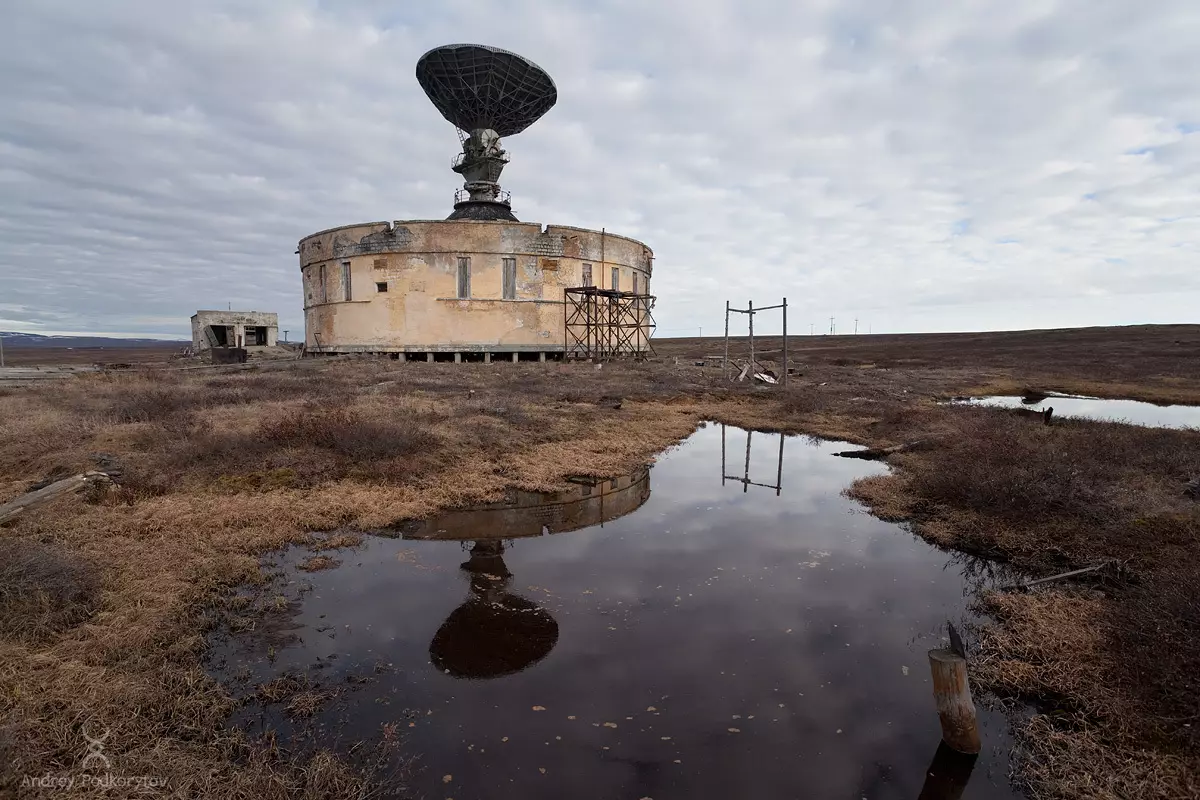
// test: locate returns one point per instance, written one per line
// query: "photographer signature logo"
(95, 774)
(95, 751)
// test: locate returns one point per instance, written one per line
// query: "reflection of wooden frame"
(745, 479)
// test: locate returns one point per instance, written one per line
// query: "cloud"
(921, 166)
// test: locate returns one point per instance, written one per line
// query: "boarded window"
(510, 279)
(346, 281)
(586, 278)
(381, 286)
(616, 279)
(321, 284)
(464, 277)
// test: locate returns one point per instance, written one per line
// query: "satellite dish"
(487, 93)
(479, 87)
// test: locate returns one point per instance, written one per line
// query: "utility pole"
(831, 327)
(1, 350)
(856, 326)
(811, 326)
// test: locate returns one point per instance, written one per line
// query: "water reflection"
(1130, 411)
(495, 632)
(745, 478)
(691, 643)
(590, 501)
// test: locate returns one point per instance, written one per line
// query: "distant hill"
(15, 340)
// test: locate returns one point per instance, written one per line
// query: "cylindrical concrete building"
(474, 289)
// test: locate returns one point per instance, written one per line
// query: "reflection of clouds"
(702, 604)
(1130, 411)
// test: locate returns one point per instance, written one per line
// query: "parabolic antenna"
(487, 93)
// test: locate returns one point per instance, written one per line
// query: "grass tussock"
(44, 590)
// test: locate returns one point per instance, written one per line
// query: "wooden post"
(785, 366)
(952, 692)
(726, 365)
(750, 307)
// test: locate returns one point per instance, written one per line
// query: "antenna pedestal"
(480, 163)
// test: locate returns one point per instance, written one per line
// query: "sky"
(917, 166)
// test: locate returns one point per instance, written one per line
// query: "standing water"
(1133, 412)
(725, 624)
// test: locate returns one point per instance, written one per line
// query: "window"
(635, 283)
(510, 279)
(321, 284)
(346, 281)
(381, 286)
(587, 275)
(464, 277)
(616, 279)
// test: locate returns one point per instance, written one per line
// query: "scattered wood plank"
(1061, 576)
(11, 510)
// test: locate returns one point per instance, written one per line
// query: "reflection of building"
(234, 329)
(590, 501)
(496, 632)
(744, 480)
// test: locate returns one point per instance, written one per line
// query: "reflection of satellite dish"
(495, 632)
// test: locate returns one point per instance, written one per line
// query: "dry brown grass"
(44, 590)
(1118, 668)
(223, 465)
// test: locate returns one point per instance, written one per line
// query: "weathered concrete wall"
(238, 321)
(417, 261)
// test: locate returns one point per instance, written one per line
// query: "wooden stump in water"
(956, 710)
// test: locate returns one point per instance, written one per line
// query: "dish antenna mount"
(486, 93)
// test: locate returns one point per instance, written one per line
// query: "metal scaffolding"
(605, 323)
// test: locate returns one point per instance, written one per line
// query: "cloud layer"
(917, 165)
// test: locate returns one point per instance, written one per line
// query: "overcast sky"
(918, 165)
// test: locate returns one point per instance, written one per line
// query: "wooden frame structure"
(601, 324)
(750, 311)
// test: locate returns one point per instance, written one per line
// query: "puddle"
(725, 624)
(1131, 411)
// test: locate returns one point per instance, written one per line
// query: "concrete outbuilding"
(248, 329)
